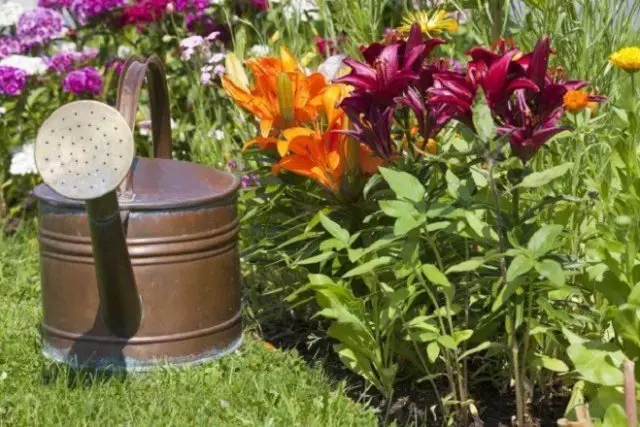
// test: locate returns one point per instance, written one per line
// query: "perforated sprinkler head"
(84, 150)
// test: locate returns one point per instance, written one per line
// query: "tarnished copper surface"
(180, 221)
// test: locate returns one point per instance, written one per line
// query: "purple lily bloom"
(371, 127)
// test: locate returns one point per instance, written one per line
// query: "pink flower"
(38, 26)
(54, 4)
(85, 10)
(65, 61)
(194, 5)
(9, 46)
(83, 80)
(12, 81)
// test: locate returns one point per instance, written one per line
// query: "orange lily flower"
(316, 156)
(282, 94)
(326, 156)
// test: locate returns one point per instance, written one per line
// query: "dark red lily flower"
(372, 127)
(530, 135)
(388, 70)
(431, 118)
(498, 75)
(455, 91)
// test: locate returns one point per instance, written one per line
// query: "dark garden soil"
(413, 404)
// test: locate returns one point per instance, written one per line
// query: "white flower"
(144, 127)
(219, 70)
(191, 42)
(124, 51)
(205, 74)
(10, 13)
(214, 35)
(331, 67)
(3, 110)
(217, 2)
(215, 58)
(205, 78)
(31, 65)
(305, 9)
(189, 46)
(23, 161)
(218, 135)
(258, 50)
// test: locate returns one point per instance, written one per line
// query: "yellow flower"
(429, 25)
(628, 59)
(575, 100)
(432, 146)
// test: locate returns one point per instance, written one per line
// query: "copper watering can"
(139, 260)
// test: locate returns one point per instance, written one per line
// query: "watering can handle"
(129, 87)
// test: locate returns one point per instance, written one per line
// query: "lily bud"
(285, 98)
(235, 71)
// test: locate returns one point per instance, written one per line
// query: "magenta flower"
(326, 47)
(83, 80)
(66, 61)
(12, 81)
(117, 65)
(54, 4)
(144, 11)
(38, 26)
(86, 10)
(9, 46)
(193, 5)
(260, 4)
(249, 180)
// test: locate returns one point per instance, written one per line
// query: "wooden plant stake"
(630, 402)
(584, 419)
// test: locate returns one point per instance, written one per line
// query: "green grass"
(255, 387)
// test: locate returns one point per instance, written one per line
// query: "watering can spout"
(120, 304)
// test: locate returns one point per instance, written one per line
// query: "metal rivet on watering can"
(139, 258)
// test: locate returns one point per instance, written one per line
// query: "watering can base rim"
(132, 365)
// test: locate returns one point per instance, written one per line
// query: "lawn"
(256, 386)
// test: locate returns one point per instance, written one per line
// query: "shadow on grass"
(89, 362)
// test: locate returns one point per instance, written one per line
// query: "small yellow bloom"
(575, 100)
(432, 146)
(628, 59)
(429, 25)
